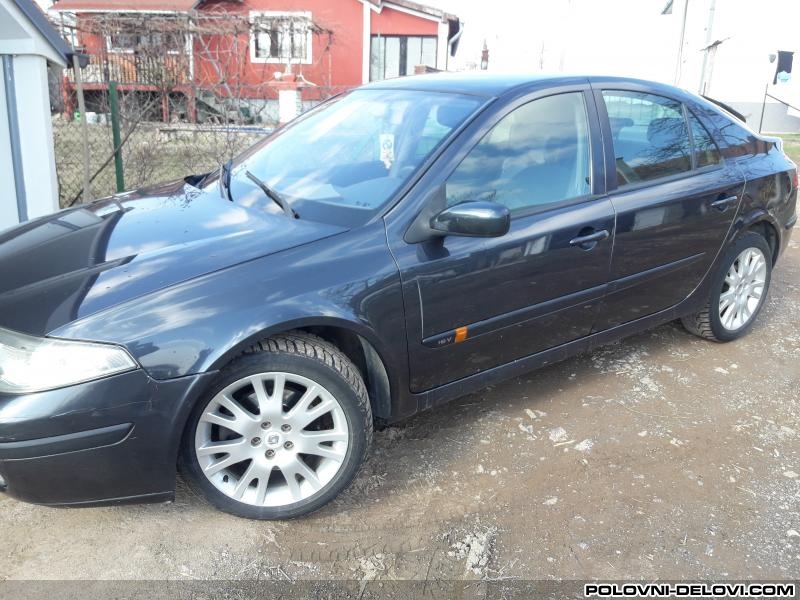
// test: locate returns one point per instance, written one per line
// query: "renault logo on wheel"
(273, 439)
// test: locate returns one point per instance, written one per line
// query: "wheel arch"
(355, 340)
(761, 222)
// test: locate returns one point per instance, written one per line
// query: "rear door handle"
(589, 241)
(724, 204)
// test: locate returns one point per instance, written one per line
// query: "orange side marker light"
(461, 334)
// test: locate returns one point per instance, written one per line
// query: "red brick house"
(206, 53)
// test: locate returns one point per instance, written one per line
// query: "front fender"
(341, 321)
(197, 326)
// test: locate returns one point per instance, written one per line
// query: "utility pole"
(704, 77)
(87, 176)
(679, 63)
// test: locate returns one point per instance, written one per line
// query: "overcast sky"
(632, 38)
(554, 34)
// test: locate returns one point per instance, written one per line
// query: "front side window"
(281, 37)
(345, 160)
(536, 156)
(649, 135)
(396, 56)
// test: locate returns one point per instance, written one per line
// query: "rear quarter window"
(735, 139)
(706, 152)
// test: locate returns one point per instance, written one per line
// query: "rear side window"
(705, 150)
(650, 137)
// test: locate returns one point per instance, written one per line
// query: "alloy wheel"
(272, 439)
(743, 289)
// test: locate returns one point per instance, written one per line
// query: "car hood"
(68, 265)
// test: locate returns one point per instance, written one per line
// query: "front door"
(476, 303)
(675, 201)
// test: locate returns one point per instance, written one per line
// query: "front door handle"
(724, 204)
(590, 240)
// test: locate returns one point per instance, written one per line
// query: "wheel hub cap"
(743, 289)
(272, 439)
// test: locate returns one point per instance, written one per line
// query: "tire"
(318, 384)
(726, 324)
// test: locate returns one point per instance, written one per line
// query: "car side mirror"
(473, 219)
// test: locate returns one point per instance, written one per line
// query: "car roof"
(481, 83)
(470, 82)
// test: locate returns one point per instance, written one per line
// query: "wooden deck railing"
(131, 68)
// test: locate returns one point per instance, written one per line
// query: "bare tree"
(176, 70)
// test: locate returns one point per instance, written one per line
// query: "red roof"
(127, 5)
(423, 8)
(187, 5)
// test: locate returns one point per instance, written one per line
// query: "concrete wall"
(776, 116)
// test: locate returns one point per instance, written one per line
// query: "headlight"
(33, 364)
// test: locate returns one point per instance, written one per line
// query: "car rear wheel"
(738, 292)
(282, 430)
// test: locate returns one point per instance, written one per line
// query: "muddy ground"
(663, 456)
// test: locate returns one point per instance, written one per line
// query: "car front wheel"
(738, 292)
(281, 432)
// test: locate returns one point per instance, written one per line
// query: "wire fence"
(152, 152)
(174, 116)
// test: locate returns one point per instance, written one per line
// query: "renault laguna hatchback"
(400, 245)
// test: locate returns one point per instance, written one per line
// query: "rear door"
(476, 303)
(674, 196)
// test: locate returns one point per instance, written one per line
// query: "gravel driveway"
(659, 457)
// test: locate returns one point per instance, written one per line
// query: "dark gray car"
(401, 245)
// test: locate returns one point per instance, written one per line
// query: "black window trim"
(686, 112)
(611, 176)
(690, 133)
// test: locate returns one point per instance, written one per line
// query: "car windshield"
(345, 160)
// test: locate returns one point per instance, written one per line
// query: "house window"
(395, 56)
(281, 37)
(163, 35)
(122, 42)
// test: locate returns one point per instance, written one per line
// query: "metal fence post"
(87, 178)
(113, 97)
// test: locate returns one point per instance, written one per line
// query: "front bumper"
(111, 440)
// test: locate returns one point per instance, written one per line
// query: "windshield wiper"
(225, 180)
(274, 196)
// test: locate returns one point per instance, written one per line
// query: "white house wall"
(741, 68)
(442, 47)
(19, 36)
(633, 38)
(36, 135)
(8, 205)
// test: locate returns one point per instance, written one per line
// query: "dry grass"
(791, 143)
(154, 153)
